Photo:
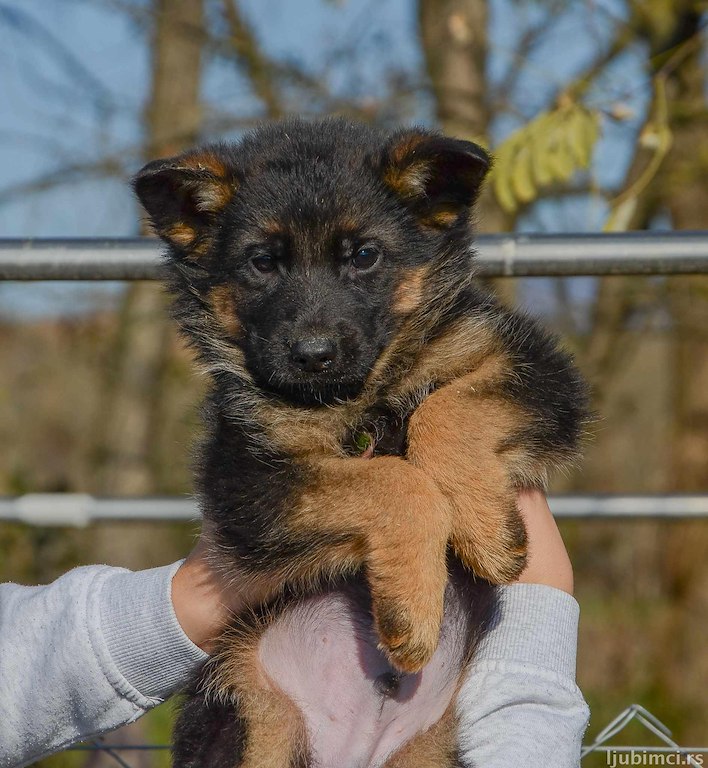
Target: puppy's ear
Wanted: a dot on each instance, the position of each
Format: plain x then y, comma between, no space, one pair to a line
438,177
184,195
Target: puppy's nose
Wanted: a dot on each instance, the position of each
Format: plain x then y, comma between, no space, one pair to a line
313,355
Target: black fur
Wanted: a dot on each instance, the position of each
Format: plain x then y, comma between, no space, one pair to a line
208,732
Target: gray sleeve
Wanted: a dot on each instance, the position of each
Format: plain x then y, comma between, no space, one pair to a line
520,699
92,651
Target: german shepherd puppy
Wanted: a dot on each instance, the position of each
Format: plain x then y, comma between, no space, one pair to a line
373,411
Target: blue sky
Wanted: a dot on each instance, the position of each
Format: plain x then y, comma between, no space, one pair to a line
77,108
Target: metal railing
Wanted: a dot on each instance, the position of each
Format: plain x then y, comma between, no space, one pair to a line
512,255
79,509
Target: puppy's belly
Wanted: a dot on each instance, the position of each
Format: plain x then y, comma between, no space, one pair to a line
322,653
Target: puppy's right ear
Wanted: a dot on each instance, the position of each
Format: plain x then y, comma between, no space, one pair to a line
184,195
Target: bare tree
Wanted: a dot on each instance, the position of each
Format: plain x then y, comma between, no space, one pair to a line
173,117
454,37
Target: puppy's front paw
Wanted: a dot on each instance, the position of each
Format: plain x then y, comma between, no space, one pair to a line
408,593
498,564
408,638
406,565
495,551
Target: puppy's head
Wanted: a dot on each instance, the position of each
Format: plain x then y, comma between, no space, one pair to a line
297,254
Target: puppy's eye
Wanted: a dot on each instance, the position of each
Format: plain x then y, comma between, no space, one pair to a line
264,263
366,258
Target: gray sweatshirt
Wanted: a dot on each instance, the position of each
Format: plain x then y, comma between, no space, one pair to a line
101,646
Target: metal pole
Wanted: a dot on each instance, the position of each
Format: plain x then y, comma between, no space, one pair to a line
75,509
80,259
632,253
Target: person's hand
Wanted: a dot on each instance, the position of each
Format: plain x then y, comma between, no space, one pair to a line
548,562
204,600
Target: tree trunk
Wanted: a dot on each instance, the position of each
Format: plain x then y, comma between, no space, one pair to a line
454,37
172,117
131,423
455,40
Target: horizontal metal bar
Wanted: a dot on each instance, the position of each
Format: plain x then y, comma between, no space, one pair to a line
669,506
118,747
80,259
76,509
630,253
79,509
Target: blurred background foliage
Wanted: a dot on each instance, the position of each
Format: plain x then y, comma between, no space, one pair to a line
596,113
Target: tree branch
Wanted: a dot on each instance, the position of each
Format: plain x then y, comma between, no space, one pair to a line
257,66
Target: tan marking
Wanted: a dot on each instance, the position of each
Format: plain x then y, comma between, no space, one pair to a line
409,293
406,174
209,191
463,347
434,748
348,225
205,160
309,432
271,228
223,304
275,729
378,373
408,181
212,192
201,247
213,196
406,147
457,437
442,217
181,234
398,519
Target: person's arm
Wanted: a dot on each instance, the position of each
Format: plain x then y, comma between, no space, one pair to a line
99,647
520,699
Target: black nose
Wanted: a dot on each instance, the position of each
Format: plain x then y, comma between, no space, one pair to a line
316,354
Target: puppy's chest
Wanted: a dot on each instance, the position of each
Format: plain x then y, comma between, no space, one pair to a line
382,433
383,429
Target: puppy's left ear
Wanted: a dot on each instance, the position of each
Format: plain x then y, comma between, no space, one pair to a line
438,177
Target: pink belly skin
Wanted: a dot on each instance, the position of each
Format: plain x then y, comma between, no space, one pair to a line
322,653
